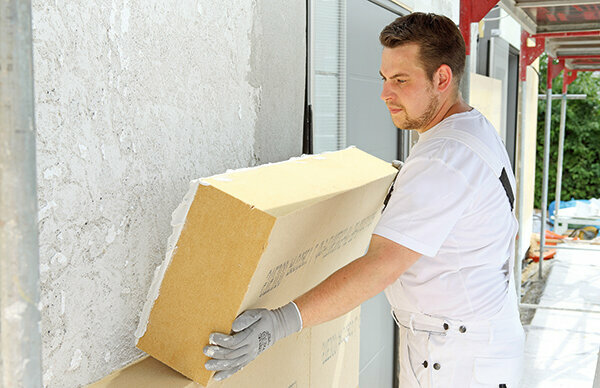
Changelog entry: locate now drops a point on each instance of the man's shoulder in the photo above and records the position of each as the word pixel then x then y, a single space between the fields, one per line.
pixel 459 147
pixel 460 131
pixel 444 146
pixel 472 121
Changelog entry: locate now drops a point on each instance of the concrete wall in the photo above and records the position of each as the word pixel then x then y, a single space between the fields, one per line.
pixel 133 99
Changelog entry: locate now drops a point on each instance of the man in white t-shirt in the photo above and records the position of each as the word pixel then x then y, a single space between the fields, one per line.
pixel 442 250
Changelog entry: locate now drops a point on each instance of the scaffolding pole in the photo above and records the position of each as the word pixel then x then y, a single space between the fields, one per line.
pixel 19 254
pixel 559 163
pixel 544 204
pixel 561 96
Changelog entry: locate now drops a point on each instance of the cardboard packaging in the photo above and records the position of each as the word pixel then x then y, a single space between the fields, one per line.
pixel 288 364
pixel 326 356
pixel 260 237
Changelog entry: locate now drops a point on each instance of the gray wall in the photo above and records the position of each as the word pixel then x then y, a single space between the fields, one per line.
pixel 369 125
pixel 134 99
pixel 370 128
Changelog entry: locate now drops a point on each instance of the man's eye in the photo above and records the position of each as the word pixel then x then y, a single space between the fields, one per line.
pixel 400 81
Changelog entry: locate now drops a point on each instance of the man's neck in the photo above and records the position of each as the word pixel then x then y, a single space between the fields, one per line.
pixel 448 108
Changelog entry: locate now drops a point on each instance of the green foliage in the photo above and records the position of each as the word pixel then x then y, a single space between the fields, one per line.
pixel 581 160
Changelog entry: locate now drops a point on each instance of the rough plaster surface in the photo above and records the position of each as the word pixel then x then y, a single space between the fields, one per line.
pixel 133 100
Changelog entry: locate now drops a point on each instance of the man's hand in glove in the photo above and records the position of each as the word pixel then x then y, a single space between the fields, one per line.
pixel 253 332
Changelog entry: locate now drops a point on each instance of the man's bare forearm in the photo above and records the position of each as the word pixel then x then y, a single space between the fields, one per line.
pixel 356 282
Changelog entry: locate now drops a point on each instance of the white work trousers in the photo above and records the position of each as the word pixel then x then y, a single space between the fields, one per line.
pixel 442 353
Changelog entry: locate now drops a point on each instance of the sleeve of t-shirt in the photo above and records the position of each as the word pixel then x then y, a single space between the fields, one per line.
pixel 428 199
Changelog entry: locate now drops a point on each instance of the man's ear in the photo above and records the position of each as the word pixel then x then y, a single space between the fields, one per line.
pixel 443 78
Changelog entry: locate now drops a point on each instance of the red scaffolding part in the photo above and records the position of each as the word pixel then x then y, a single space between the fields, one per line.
pixel 472 11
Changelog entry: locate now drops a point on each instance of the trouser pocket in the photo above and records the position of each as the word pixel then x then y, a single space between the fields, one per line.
pixel 411 370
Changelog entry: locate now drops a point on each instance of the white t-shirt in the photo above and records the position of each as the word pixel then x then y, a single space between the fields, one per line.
pixel 448 205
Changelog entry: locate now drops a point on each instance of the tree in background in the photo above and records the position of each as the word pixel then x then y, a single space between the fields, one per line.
pixel 581 160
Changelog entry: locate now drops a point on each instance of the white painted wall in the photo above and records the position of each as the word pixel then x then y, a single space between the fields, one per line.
pixel 449 8
pixel 486 96
pixel 510 29
pixel 134 99
pixel 528 164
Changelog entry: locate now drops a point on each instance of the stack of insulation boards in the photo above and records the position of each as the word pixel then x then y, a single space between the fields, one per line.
pixel 260 237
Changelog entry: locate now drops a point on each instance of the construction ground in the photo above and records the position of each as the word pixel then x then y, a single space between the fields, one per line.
pixel 562 347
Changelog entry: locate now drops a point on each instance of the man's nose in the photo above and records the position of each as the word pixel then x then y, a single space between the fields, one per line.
pixel 386 93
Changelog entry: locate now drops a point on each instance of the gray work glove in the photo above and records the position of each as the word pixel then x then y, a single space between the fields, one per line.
pixel 254 331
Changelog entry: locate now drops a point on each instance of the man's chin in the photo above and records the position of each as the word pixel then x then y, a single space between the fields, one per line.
pixel 400 124
pixel 397 121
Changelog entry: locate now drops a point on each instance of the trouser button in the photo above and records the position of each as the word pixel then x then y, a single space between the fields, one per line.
pixel 436 366
pixel 462 329
pixel 446 326
pixel 425 364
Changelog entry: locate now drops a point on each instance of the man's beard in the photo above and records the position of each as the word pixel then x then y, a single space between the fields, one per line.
pixel 421 121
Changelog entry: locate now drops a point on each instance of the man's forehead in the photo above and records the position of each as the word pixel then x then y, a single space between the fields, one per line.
pixel 402 59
